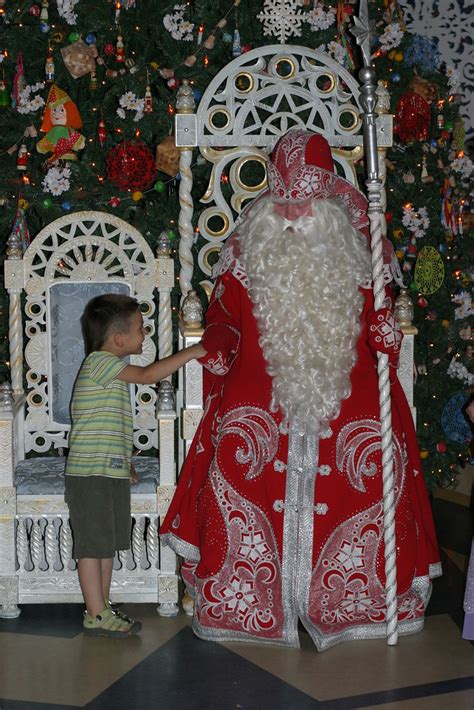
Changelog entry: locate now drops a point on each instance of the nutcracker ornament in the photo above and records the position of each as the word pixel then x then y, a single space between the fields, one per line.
pixel 119 49
pixel 44 14
pixel 148 101
pixel 22 158
pixel 49 68
pixel 101 133
pixel 413 112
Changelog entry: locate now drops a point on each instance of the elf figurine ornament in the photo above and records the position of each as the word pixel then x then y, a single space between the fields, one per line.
pixel 61 121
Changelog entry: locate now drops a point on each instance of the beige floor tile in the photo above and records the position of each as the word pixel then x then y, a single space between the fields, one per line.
pixel 359 667
pixel 74 671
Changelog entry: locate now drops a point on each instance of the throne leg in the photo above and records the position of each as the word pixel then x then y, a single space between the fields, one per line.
pixel 9 611
pixel 168 595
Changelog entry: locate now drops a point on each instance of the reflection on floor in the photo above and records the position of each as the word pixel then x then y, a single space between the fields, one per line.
pixel 47 664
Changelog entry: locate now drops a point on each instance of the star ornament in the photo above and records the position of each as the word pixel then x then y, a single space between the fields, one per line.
pixel 363 30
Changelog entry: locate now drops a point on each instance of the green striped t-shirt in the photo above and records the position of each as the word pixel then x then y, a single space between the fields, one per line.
pixel 101 437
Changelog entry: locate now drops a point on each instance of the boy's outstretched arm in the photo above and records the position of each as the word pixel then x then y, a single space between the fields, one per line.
pixel 161 368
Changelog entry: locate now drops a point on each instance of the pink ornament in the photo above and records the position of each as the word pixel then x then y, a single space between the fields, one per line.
pixel 422 302
pixel 35 10
pixel 167 73
pixel 173 83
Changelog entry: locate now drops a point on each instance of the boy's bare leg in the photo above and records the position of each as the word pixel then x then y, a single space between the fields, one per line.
pixel 106 569
pixel 90 579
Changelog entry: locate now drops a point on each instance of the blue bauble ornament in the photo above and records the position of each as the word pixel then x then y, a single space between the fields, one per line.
pixel 66 206
pixel 442 248
pixel 396 77
pixel 197 94
pixel 90 39
pixel 227 37
pixel 434 143
pixel 44 27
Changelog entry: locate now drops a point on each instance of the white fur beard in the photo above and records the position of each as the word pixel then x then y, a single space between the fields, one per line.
pixel 304 283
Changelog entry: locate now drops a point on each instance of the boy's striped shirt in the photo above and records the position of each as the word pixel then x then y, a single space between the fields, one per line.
pixel 101 437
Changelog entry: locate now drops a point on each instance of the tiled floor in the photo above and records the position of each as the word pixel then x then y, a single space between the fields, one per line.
pixel 46 663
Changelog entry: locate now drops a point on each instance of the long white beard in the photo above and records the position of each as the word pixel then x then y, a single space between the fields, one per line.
pixel 304 283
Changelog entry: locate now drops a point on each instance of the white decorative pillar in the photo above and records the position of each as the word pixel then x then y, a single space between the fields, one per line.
pixel 185 129
pixel 8 577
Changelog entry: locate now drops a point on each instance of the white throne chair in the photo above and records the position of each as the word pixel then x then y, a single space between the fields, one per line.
pixel 245 109
pixel 72 260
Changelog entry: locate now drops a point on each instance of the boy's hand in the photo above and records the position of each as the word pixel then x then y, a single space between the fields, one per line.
pixel 199 351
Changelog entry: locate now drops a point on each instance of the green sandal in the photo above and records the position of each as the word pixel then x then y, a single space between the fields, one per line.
pixel 108 623
pixel 117 610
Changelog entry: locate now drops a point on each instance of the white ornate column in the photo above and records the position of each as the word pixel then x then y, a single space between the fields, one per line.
pixel 14 283
pixel 8 577
pixel 185 129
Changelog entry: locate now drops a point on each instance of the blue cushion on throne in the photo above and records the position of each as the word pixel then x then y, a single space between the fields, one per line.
pixel 45 475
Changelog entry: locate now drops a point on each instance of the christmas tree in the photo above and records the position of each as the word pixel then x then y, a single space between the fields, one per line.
pixel 87 97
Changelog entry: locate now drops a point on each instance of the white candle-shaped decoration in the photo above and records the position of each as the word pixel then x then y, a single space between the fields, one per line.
pixel 200 34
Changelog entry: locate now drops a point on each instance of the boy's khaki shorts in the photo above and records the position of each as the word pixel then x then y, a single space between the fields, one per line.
pixel 99 513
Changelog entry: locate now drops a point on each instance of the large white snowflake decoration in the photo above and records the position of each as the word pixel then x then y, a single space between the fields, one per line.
pixel 282 18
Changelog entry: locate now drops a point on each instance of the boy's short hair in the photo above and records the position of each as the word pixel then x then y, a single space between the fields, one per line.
pixel 105 314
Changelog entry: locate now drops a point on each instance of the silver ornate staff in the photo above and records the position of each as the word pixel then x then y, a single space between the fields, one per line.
pixel 368 100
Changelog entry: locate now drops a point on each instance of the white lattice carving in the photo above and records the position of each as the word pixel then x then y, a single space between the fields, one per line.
pixel 452 25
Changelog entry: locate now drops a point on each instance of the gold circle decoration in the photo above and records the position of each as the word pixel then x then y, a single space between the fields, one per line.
pixel 244 82
pixel 348 119
pixel 244 165
pixel 216 224
pixel 429 271
pixel 326 83
pixel 208 256
pixel 219 119
pixel 285 67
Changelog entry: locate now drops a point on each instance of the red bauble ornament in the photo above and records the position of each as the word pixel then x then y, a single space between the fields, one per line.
pixel 422 302
pixel 441 447
pixel 388 216
pixel 35 10
pixel 131 166
pixel 109 49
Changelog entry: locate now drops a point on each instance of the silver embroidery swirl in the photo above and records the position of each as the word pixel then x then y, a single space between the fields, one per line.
pixel 259 432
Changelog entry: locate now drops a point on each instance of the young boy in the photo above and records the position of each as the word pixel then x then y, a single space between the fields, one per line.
pixel 100 450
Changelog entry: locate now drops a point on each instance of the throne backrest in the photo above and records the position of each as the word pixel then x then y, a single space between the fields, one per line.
pixel 248 105
pixel 73 259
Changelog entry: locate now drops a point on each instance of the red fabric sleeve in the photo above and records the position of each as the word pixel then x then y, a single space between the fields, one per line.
pixel 222 334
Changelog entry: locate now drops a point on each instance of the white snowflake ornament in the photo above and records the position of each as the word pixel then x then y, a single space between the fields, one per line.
pixel 282 18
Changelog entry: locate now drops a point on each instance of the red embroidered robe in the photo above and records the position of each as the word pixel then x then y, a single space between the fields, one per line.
pixel 268 540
